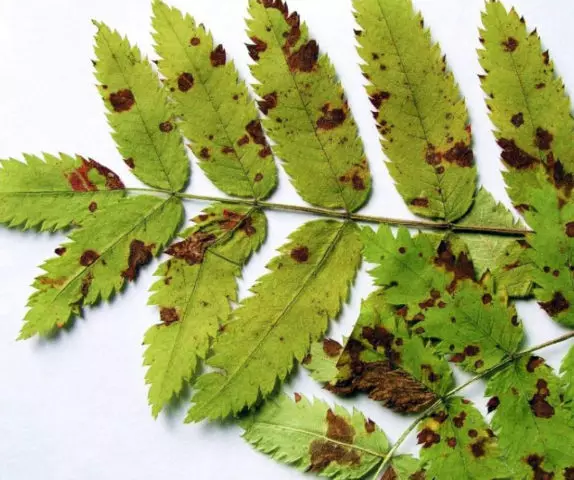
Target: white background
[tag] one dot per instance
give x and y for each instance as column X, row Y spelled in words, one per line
column 76, row 408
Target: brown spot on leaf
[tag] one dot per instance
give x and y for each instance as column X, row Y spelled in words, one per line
column 477, row 448
column 570, row 229
column 323, row 453
column 298, row 397
column 195, row 41
column 331, row 118
column 517, row 120
column 369, row 426
column 140, row 254
column 255, row 130
column 80, row 181
column 166, row 127
column 89, row 257
column 218, row 57
column 516, row 157
column 471, row 350
column 510, row 44
column 472, row 433
column 338, row 428
column 304, row 59
column 420, row 202
column 461, row 154
column 265, row 151
column 205, row 153
column 427, row 438
column 300, row 254
column 557, row 305
column 122, row 100
column 546, row 57
column 258, row 46
column 60, row 251
column 533, row 363
column 92, row 207
column 168, row 315
column 487, row 299
column 535, row 462
column 129, row 162
column 458, row 421
column 243, row 140
column 52, row 282
column 332, row 348
column 185, row 82
column 233, row 221
column 451, row 442
column 258, row 177
column 540, row 86
column 461, row 267
column 193, row 248
column 269, row 102
column 228, row 150
column 543, row 139
column 492, row 404
column 538, row 403
column 378, row 98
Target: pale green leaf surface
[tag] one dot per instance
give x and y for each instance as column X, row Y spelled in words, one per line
column 383, row 359
column 290, row 308
column 436, row 287
column 141, row 117
column 456, row 444
column 216, row 111
column 99, row 258
column 308, row 116
column 313, row 437
column 534, row 429
column 419, row 110
column 194, row 293
column 567, row 371
column 404, row 467
column 322, row 359
column 53, row 193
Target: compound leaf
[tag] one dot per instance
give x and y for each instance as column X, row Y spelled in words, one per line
column 194, row 292
column 276, row 326
column 100, row 257
column 457, row 443
column 313, row 437
column 419, row 110
column 383, row 359
column 534, row 125
column 139, row 113
column 53, row 193
column 308, row 116
column 216, row 111
column 534, row 428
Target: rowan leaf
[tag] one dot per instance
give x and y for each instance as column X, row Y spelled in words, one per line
column 311, row 436
column 567, row 379
column 307, row 114
column 139, row 113
column 322, row 359
column 98, row 259
column 274, row 327
column 383, row 359
column 419, row 110
column 534, row 125
column 534, row 428
column 434, row 288
column 194, row 293
column 216, row 111
column 53, row 193
column 457, row 443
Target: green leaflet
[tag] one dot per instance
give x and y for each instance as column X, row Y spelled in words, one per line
column 307, row 114
column 217, row 113
column 419, row 110
column 384, row 360
column 435, row 288
column 456, row 443
column 53, row 193
column 290, row 308
column 194, row 292
column 311, row 436
column 534, row 129
column 567, row 371
column 404, row 467
column 322, row 360
column 534, row 428
column 139, row 113
column 99, row 258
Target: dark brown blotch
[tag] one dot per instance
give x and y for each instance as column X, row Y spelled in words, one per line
column 193, row 248
column 269, row 102
column 517, row 120
column 557, row 305
column 323, row 453
column 378, row 98
column 492, row 404
column 166, row 127
column 168, row 315
column 218, row 57
column 305, row 59
column 515, row 157
column 427, row 438
column 331, row 118
column 538, row 403
column 195, row 41
column 130, row 162
column 420, row 202
column 533, row 363
column 300, row 254
column 570, row 229
column 60, row 251
column 458, row 421
column 140, row 254
column 332, row 348
column 185, row 81
column 338, row 428
column 255, row 131
column 477, row 448
column 543, row 139
column 258, row 46
column 88, row 258
column 122, row 100
column 510, row 44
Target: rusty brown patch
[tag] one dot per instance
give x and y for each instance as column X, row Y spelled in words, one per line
column 510, row 44
column 228, row 150
column 244, row 140
column 80, row 181
column 420, row 202
column 546, row 57
column 255, row 131
column 543, row 139
column 492, row 404
column 427, row 438
column 193, row 248
column 338, row 428
column 515, row 157
column 140, row 254
column 570, row 229
column 487, row 299
column 323, row 453
column 378, row 98
column 538, row 403
column 561, row 179
column 460, row 154
column 88, row 258
column 557, row 305
column 205, row 153
column 60, row 251
column 451, row 442
column 52, row 282
column 129, row 162
column 298, row 397
column 92, row 207
column 461, row 267
column 236, row 221
column 195, row 41
column 535, row 462
column 458, row 421
column 185, row 82
column 517, row 120
column 477, row 448
column 258, row 177
column 355, row 176
column 218, row 57
column 258, row 46
column 300, row 254
column 540, row 86
column 168, row 315
column 533, row 363
column 331, row 118
column 369, row 426
column 305, row 59
column 269, row 102
column 166, row 127
column 331, row 347
column 265, row 151
column 122, row 100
